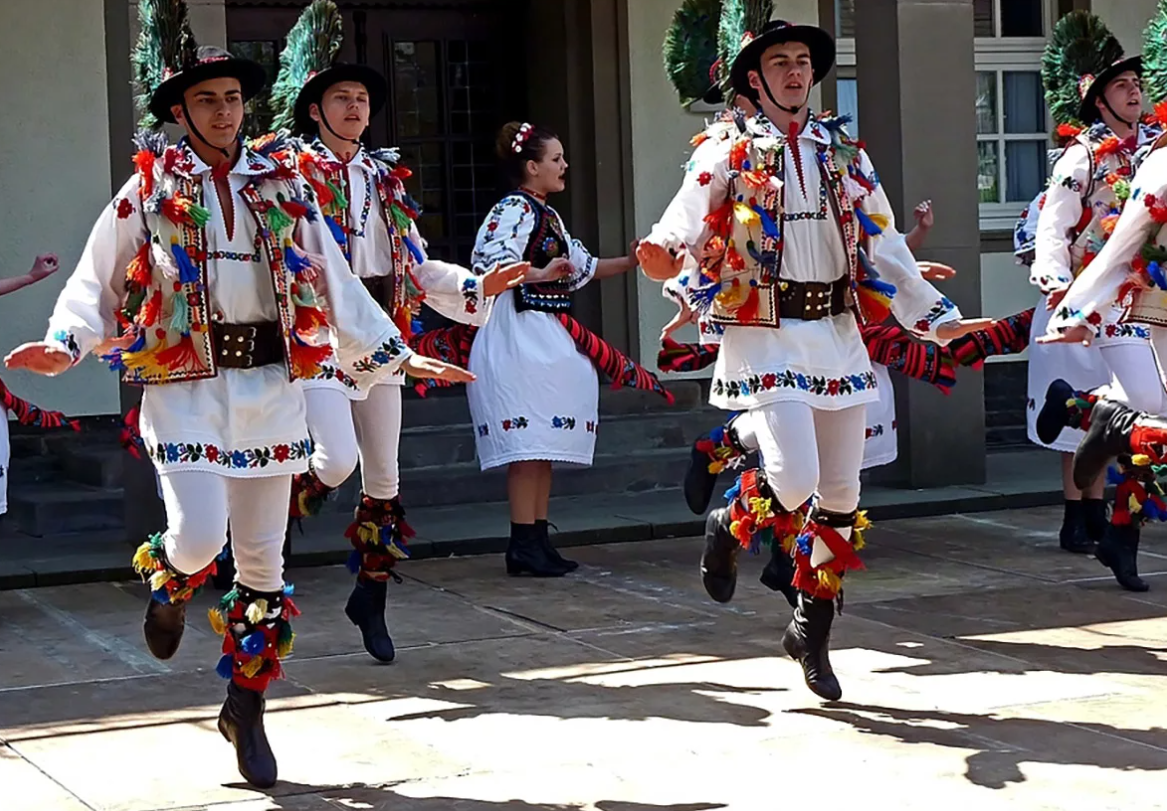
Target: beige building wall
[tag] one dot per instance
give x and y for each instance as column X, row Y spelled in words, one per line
column 661, row 130
column 1127, row 19
column 54, row 176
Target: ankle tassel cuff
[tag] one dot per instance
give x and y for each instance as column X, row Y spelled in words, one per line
column 722, row 447
column 308, row 494
column 1139, row 497
column 756, row 517
column 826, row 580
column 167, row 586
column 379, row 536
column 257, row 635
column 1079, row 409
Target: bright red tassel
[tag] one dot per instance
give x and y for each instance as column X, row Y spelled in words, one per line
column 308, row 319
column 720, row 220
column 748, row 312
column 182, row 357
column 306, row 359
column 151, row 310
column 138, row 272
column 144, row 161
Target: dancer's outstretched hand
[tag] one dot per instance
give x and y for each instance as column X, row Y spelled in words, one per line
column 1075, row 335
column 39, row 357
column 44, row 266
column 501, row 279
column 685, row 316
column 1055, row 298
column 110, row 344
column 935, row 272
column 951, row 330
column 420, row 366
column 658, row 264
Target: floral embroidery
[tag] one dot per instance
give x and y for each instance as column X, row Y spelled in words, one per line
column 875, row 430
column 328, row 372
column 484, row 430
column 705, row 178
column 125, row 208
column 70, row 342
column 470, row 294
column 592, row 427
column 515, row 424
column 940, row 309
column 172, row 453
column 1127, row 331
column 567, row 423
column 382, row 356
column 815, row 384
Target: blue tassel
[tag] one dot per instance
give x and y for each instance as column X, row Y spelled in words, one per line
column 353, row 564
column 701, row 299
column 769, row 227
column 752, row 250
column 296, row 263
column 161, row 596
column 417, row 326
column 337, row 232
column 1113, row 476
column 734, row 492
column 1155, row 271
column 717, row 434
column 226, row 667
column 187, row 272
column 253, row 643
column 139, row 343
column 836, row 123
column 223, row 555
column 804, row 543
column 289, row 589
column 1152, row 511
column 868, row 224
column 414, row 251
column 114, row 360
column 877, row 286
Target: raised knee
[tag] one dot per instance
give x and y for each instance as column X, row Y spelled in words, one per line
column 191, row 550
column 793, row 488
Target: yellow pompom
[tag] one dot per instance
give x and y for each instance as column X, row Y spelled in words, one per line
column 256, row 611
column 716, row 467
column 746, row 215
column 218, row 621
column 761, row 507
column 286, row 647
column 1140, row 460
column 159, row 579
column 143, row 561
column 862, row 522
column 858, row 542
column 830, row 581
column 252, row 666
column 1133, row 505
column 881, row 220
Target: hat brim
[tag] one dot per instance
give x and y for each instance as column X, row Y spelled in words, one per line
column 1087, row 112
column 820, row 43
column 314, row 89
column 251, row 75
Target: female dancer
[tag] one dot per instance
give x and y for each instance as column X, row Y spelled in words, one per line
column 543, row 405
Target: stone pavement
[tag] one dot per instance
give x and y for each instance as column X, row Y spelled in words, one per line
column 982, row 668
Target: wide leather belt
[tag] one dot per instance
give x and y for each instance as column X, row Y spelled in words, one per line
column 810, row 301
column 247, row 346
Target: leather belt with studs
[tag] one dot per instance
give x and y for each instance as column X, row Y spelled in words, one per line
column 810, row 301
column 247, row 346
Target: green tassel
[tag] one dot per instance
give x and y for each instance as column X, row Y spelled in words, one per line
column 180, row 317
column 277, row 220
column 402, row 221
column 847, row 152
column 341, row 202
column 199, row 215
column 229, row 600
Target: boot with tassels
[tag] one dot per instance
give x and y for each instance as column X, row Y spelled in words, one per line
column 1138, row 498
column 710, row 455
column 819, row 579
column 165, row 619
column 1064, row 407
column 308, row 494
column 257, row 636
column 379, row 535
column 1114, row 431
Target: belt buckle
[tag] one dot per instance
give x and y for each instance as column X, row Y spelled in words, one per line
column 246, row 356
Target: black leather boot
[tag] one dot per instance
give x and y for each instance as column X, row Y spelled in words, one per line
column 779, row 574
column 806, row 641
column 1119, row 551
column 1072, row 536
column 542, row 526
column 1116, row 430
column 719, row 560
column 1094, row 517
column 699, row 482
column 163, row 627
column 1055, row 413
column 526, row 554
column 241, row 723
column 366, row 610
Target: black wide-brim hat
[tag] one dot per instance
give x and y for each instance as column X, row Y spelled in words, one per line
column 820, row 43
column 313, row 91
column 1091, row 87
column 213, row 63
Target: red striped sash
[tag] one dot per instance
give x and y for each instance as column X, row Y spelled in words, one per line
column 28, row 414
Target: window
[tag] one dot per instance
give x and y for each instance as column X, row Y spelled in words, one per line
column 1012, row 122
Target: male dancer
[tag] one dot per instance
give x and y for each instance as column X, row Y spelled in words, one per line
column 372, row 219
column 1127, row 272
column 775, row 216
column 216, row 260
column 1094, row 95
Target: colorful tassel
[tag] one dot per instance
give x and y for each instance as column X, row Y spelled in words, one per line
column 414, row 251
column 182, row 356
column 188, row 272
column 294, row 261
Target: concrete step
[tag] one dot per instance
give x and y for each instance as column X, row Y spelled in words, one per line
column 32, row 470
column 627, row 434
column 96, row 466
column 62, row 507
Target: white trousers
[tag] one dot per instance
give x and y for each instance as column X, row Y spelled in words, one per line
column 1137, row 376
column 199, row 505
column 346, row 431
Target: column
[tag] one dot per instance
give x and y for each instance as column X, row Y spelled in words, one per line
column 917, row 90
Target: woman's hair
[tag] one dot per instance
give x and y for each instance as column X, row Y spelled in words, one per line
column 518, row 143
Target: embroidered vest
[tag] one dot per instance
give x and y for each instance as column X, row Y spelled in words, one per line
column 742, row 259
column 330, row 179
column 1104, row 196
column 166, row 283
column 547, row 242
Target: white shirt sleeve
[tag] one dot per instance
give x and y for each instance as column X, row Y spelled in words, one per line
column 704, row 188
column 452, row 290
column 1061, row 212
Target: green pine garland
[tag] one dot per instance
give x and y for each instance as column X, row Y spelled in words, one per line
column 739, row 17
column 1081, row 44
column 690, row 48
column 1155, row 56
column 165, row 42
column 313, row 44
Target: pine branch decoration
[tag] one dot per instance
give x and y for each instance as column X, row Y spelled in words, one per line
column 165, row 43
column 1081, row 44
column 1155, row 56
column 313, row 44
column 690, row 48
column 739, row 17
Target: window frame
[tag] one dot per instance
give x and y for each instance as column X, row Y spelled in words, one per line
column 998, row 55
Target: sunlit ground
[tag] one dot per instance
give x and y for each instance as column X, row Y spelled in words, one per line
column 982, row 668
